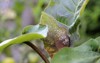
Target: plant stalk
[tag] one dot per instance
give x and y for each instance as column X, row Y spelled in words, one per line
column 38, row 51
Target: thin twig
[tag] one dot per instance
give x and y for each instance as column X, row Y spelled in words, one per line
column 38, row 51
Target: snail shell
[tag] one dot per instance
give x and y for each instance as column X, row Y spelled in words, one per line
column 56, row 39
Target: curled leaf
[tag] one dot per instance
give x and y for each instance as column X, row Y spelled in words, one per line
column 39, row 32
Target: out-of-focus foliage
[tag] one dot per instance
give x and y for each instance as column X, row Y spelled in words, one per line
column 31, row 56
column 14, row 15
column 90, row 21
column 8, row 60
column 41, row 4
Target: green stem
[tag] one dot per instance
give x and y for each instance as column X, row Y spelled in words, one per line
column 38, row 51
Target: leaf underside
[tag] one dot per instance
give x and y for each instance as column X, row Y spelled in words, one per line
column 66, row 11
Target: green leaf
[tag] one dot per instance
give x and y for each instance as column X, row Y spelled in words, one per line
column 69, row 55
column 98, row 38
column 37, row 32
column 85, row 53
column 66, row 11
column 49, row 20
column 90, row 45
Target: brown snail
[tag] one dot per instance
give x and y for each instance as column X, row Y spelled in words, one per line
column 56, row 40
column 57, row 37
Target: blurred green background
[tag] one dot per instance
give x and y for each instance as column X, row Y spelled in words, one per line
column 90, row 21
column 16, row 14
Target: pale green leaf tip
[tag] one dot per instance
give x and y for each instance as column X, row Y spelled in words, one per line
column 36, row 29
column 2, row 44
column 83, row 7
column 44, row 32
